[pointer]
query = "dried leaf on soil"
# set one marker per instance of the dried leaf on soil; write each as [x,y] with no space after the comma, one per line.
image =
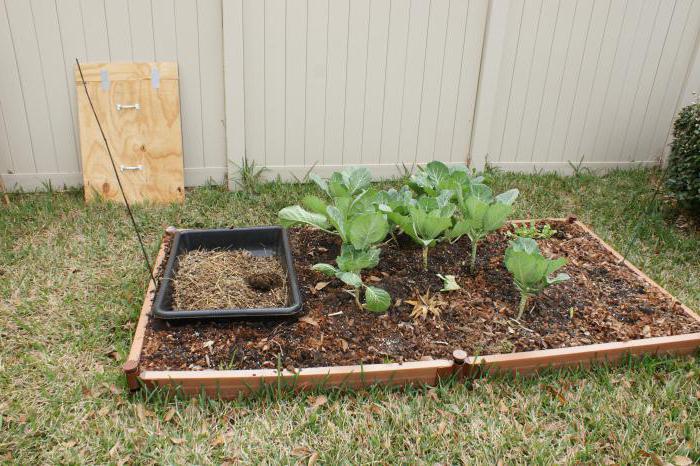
[425,305]
[309,320]
[653,456]
[441,428]
[113,451]
[313,459]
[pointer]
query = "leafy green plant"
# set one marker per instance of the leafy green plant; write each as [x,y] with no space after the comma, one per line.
[683,179]
[352,215]
[533,231]
[249,176]
[394,200]
[425,221]
[449,282]
[434,215]
[350,263]
[437,177]
[350,197]
[531,270]
[482,213]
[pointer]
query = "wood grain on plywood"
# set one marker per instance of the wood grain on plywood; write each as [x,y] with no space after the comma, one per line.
[145,142]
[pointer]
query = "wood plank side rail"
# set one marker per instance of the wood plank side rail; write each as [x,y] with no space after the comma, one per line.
[232,383]
[131,366]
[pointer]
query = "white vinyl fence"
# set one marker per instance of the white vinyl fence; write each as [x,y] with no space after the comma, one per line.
[295,84]
[592,80]
[371,82]
[39,42]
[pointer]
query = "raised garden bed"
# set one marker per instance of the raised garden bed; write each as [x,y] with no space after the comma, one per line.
[607,310]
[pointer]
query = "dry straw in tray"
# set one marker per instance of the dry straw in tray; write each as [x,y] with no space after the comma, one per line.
[228,279]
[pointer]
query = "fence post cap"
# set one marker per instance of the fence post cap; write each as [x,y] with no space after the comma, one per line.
[459,356]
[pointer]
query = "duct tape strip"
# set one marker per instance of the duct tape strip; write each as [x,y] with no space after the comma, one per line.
[155,77]
[104,78]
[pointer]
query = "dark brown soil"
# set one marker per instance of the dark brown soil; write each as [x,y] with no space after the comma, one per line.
[603,302]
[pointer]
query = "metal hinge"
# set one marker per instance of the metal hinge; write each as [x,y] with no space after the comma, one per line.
[135,106]
[132,167]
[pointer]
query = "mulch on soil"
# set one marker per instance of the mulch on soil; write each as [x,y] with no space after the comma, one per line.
[228,279]
[603,302]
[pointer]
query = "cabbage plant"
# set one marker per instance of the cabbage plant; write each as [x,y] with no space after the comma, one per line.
[394,200]
[358,252]
[482,213]
[350,195]
[437,177]
[531,270]
[350,263]
[426,220]
[352,215]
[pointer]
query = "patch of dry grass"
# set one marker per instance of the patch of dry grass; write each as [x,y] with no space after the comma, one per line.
[223,279]
[71,286]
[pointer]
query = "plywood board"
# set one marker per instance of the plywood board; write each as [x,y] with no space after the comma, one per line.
[146,142]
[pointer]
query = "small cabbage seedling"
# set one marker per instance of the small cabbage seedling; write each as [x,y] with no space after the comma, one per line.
[357,252]
[426,221]
[350,262]
[531,270]
[350,195]
[482,213]
[449,282]
[533,231]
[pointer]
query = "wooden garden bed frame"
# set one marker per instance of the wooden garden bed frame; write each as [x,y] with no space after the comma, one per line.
[234,383]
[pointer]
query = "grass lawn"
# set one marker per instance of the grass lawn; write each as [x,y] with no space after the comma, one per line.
[71,287]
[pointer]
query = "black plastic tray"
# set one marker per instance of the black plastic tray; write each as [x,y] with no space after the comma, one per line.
[260,241]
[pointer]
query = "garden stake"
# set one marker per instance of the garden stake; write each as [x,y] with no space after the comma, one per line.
[459,357]
[147,262]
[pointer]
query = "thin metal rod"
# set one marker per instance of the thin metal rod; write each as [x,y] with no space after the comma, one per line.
[147,262]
